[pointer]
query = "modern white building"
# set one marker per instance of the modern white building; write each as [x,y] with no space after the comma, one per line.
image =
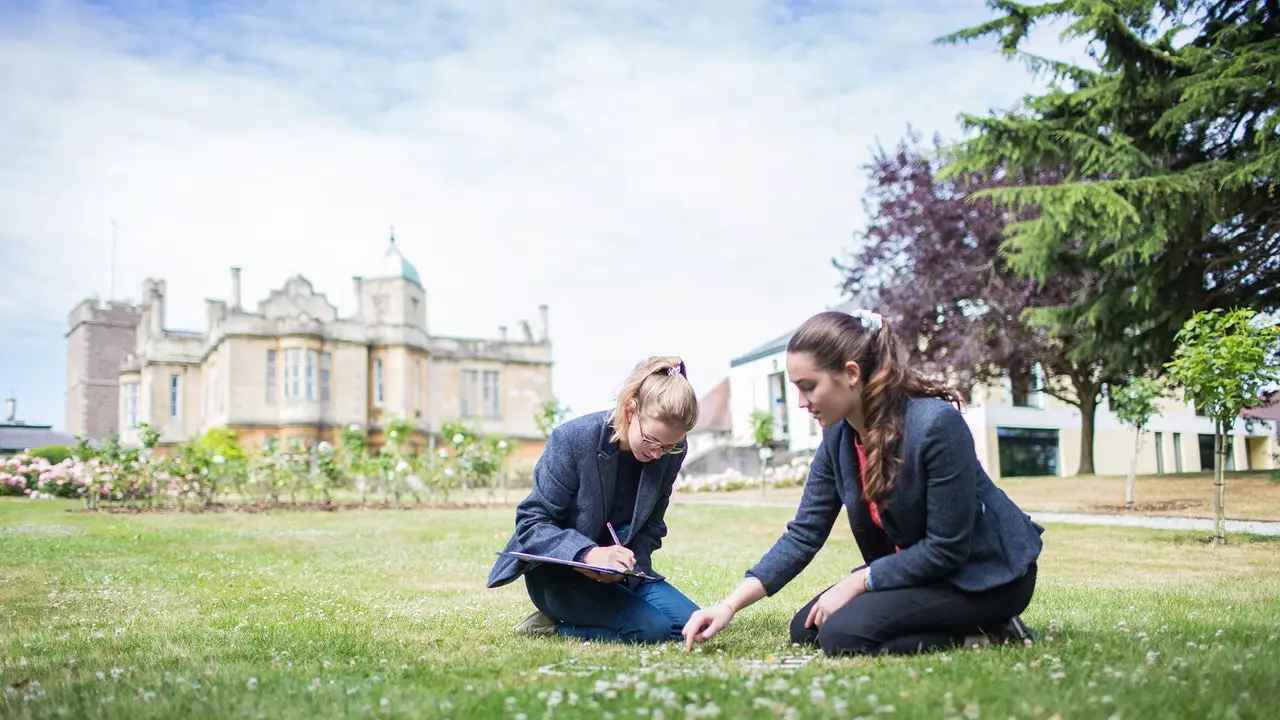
[1015,434]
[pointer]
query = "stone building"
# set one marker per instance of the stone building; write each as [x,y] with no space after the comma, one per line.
[294,370]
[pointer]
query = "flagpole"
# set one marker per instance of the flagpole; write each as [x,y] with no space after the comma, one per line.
[111,293]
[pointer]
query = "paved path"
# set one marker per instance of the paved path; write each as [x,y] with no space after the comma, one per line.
[1252,527]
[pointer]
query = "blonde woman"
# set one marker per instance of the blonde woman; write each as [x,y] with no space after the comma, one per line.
[603,475]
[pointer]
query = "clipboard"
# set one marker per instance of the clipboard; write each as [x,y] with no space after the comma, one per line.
[541,559]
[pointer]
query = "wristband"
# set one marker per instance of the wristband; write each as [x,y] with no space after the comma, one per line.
[867,582]
[727,604]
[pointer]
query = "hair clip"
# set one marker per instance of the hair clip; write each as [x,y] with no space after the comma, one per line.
[677,370]
[870,320]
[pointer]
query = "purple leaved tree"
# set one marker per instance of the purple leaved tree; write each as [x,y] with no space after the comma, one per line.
[931,259]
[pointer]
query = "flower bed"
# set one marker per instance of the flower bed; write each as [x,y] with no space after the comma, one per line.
[212,472]
[789,474]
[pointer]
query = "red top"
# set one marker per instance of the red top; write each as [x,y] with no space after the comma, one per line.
[862,463]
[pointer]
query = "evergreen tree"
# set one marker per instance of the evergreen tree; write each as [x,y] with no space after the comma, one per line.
[1170,150]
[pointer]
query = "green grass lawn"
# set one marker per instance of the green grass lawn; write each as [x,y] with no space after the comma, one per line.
[385,614]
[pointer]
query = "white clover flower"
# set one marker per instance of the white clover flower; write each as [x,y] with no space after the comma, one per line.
[457,439]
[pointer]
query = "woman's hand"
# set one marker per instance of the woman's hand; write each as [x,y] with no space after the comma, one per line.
[705,623]
[836,597]
[610,556]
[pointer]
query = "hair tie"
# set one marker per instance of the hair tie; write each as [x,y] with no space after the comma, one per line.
[870,320]
[677,370]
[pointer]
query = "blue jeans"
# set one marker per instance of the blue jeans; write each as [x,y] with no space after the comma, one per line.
[654,612]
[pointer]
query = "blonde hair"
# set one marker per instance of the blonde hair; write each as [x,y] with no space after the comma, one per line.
[662,391]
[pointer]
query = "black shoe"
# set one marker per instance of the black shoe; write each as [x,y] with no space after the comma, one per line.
[1013,632]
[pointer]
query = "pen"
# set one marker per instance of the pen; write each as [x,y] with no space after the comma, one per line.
[613,534]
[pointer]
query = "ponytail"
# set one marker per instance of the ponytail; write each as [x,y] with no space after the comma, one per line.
[888,383]
[661,390]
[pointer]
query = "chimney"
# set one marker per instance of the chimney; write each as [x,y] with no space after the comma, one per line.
[524,328]
[235,288]
[358,283]
[546,336]
[155,299]
[11,410]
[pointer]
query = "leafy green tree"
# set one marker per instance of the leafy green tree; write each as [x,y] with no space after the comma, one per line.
[1134,403]
[1223,362]
[548,415]
[762,430]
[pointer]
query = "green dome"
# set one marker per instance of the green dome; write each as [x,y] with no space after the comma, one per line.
[394,265]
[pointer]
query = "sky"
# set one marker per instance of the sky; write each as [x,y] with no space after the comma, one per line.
[669,177]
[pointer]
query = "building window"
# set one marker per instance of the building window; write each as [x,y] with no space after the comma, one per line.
[377,382]
[271,376]
[491,403]
[1206,452]
[325,362]
[1027,452]
[1177,452]
[1160,453]
[469,402]
[481,394]
[173,396]
[292,373]
[1020,389]
[131,404]
[417,384]
[311,374]
[306,375]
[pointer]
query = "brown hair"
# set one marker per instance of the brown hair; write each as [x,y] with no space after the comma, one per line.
[662,391]
[835,338]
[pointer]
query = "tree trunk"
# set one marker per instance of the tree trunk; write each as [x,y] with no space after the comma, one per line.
[1087,394]
[1219,484]
[1133,469]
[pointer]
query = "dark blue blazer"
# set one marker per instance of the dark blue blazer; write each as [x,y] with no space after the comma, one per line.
[573,484]
[951,522]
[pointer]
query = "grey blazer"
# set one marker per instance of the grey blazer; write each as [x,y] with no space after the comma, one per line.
[951,522]
[572,493]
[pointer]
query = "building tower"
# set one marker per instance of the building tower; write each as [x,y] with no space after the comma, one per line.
[99,335]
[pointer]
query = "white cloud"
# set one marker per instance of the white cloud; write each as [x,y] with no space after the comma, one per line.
[669,178]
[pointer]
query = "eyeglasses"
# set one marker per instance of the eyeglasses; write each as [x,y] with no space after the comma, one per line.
[673,449]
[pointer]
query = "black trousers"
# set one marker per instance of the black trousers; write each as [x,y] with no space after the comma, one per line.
[914,620]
